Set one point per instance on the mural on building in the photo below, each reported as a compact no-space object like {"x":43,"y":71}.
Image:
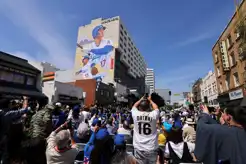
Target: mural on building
{"x":96,"y":57}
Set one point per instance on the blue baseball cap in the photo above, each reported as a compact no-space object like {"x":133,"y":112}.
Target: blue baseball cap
{"x":101,"y":134}
{"x":167,"y":126}
{"x":76,"y":108}
{"x":95,"y":122}
{"x":86,"y":57}
{"x":96,"y":29}
{"x":119,"y":139}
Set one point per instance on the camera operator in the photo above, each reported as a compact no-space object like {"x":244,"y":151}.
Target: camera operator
{"x":145,"y":136}
{"x":59,"y":148}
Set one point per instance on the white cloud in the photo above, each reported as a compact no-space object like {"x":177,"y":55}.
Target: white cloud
{"x":28,"y":14}
{"x":195,"y":39}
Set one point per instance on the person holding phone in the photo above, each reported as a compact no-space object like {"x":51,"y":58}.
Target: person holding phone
{"x":145,"y":136}
{"x":217,"y":143}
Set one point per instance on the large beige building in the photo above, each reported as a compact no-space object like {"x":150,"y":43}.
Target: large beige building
{"x":108,"y":41}
{"x":150,"y":79}
{"x":229,"y":61}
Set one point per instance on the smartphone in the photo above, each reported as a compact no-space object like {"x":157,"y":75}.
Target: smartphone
{"x":146,"y":95}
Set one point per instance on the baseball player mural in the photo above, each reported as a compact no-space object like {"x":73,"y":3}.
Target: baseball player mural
{"x":99,"y":56}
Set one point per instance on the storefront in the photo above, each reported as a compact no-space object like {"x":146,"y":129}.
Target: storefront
{"x":18,"y":78}
{"x":63,"y":92}
{"x":233,"y":98}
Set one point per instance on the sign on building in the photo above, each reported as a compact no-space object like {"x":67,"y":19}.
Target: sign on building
{"x":237,"y":94}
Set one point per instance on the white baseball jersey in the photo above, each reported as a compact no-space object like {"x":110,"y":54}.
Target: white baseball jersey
{"x":145,"y":136}
{"x":86,"y":71}
{"x":104,"y":60}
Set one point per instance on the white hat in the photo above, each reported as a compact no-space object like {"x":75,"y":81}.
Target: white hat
{"x":190,"y":121}
{"x":58,"y":104}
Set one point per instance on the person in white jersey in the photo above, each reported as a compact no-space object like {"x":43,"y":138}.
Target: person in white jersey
{"x":145,"y":136}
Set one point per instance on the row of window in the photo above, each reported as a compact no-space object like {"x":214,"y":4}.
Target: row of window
{"x":210,"y":91}
{"x":13,"y":77}
{"x":130,"y":52}
{"x":228,"y":82}
{"x":104,"y":93}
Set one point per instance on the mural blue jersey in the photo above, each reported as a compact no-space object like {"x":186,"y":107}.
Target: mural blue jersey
{"x":58,"y":120}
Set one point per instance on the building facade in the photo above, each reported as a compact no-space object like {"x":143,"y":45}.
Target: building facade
{"x":104,"y":95}
{"x":57,"y":91}
{"x":106,"y":52}
{"x":196,"y":92}
{"x":165,"y":94}
{"x":229,"y":61}
{"x":209,"y":91}
{"x":150,"y":79}
{"x":18,"y":78}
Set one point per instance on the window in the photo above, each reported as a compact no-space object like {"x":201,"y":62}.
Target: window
{"x":232,"y":59}
{"x":218,"y":71}
{"x":121,"y":33}
{"x":18,"y":78}
{"x":209,"y":92}
{"x":221,"y":88}
{"x":229,"y":41}
{"x":30,"y":81}
{"x":227,"y":82}
{"x":215,"y":101}
{"x":236,"y":79}
{"x":101,"y":92}
{"x":237,"y":34}
{"x":121,"y":46}
{"x":107,"y":93}
{"x":121,"y":39}
{"x":216,"y":57}
{"x":7,"y":76}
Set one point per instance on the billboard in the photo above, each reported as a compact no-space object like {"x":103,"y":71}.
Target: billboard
{"x":95,"y":53}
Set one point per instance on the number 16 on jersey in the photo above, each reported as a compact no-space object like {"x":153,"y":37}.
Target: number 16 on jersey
{"x":144,"y":128}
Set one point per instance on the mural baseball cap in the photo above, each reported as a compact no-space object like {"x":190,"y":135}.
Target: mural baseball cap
{"x":86,"y":57}
{"x":96,"y":29}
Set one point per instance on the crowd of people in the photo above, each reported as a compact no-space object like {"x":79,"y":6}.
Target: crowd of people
{"x":40,"y":133}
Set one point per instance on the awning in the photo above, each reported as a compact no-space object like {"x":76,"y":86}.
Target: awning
{"x":9,"y":91}
{"x":234,"y":103}
{"x":223,"y":98}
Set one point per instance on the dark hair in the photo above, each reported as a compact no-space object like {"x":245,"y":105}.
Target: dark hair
{"x":176,"y":116}
{"x":119,"y":154}
{"x":144,"y":105}
{"x":211,"y":109}
{"x":103,"y":150}
{"x":175,"y":135}
{"x":238,"y":114}
{"x":191,"y":107}
{"x":126,"y":125}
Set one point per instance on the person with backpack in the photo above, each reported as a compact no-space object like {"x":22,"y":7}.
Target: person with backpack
{"x":176,"y":150}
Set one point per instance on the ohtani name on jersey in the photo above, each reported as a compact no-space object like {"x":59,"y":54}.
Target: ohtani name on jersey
{"x":144,"y":118}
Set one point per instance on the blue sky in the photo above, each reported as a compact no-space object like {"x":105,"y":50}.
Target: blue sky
{"x":174,"y":36}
